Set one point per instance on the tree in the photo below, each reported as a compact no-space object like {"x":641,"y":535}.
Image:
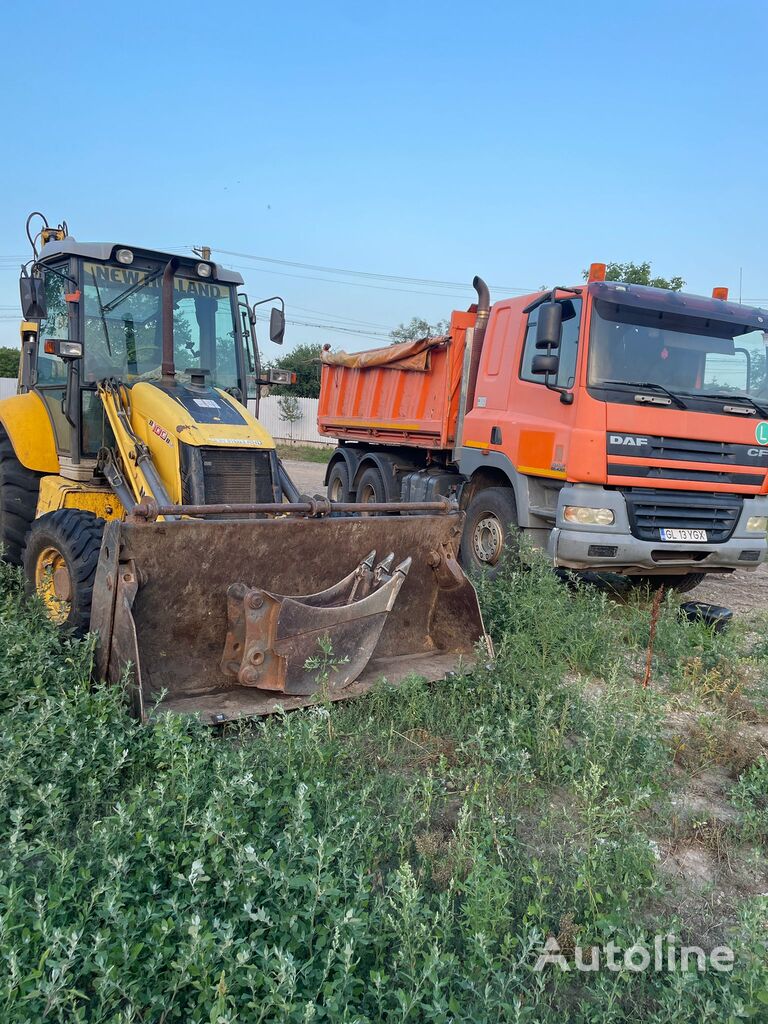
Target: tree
{"x":9,"y":362}
{"x":418,"y":329}
{"x":304,"y":360}
{"x":638,"y":273}
{"x":290,"y":411}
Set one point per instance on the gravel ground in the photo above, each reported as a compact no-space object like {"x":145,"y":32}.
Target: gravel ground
{"x":308,"y":476}
{"x":743,"y":591}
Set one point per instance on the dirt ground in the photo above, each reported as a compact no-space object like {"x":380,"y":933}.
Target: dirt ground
{"x":743,"y":591}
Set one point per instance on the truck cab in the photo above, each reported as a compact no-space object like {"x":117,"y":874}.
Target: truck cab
{"x":623,"y":428}
{"x":630,"y":427}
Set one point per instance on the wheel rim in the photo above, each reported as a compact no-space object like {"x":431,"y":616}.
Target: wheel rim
{"x":335,"y":490}
{"x":54,"y":584}
{"x":488,"y":540}
{"x":366,"y":495}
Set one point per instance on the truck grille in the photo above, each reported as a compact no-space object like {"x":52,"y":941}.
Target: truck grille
{"x":683,"y":449}
{"x":650,"y":511}
{"x":236,"y":476}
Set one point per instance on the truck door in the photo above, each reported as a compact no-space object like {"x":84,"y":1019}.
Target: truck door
{"x":543,"y":420}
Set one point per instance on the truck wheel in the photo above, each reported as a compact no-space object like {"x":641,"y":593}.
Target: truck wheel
{"x":370,"y":488}
{"x":338,"y":482}
{"x":489,"y":530}
{"x":19,"y":489}
{"x":60,"y":565}
{"x":682,"y":583}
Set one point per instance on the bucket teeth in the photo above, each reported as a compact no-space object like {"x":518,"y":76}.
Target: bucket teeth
{"x":382,"y":572}
{"x":404,"y":566}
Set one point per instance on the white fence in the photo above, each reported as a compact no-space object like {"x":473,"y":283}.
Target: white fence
{"x":303,"y":430}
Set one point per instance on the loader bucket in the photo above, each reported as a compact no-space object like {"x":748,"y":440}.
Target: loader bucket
{"x":225,"y":618}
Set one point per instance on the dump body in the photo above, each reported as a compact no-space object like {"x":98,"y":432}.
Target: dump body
{"x":390,"y":404}
{"x":671,"y":484}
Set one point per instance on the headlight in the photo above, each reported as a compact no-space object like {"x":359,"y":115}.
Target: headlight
{"x":124,"y":256}
{"x":204,"y":269}
{"x":588,"y":516}
{"x":758,"y":524}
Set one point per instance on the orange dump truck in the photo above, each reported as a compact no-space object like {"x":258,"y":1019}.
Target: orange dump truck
{"x":622,"y":427}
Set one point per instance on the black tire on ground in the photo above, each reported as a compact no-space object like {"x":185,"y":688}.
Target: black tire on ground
{"x":19,"y":489}
{"x":682,"y":584}
{"x":370,"y":488}
{"x":338,"y":482}
{"x":489,"y":530}
{"x":60,"y":564}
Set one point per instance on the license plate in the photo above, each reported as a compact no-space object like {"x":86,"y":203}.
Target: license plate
{"x":696,"y":536}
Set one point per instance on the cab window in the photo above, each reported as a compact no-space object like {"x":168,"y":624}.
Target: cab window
{"x":50,"y":369}
{"x":569,"y":346}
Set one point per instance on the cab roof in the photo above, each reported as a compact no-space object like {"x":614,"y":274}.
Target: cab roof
{"x":103,"y":251}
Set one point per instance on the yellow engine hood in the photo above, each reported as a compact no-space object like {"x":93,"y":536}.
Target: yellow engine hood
{"x":195,"y":416}
{"x":165,"y":416}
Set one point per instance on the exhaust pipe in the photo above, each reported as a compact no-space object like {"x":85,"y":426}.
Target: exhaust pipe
{"x":483,"y":312}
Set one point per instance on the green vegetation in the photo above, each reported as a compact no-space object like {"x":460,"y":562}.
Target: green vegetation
{"x":639,"y":273}
{"x":304,"y":361}
{"x":398,"y":859}
{"x":417,"y":329}
{"x":9,"y":361}
{"x":305,"y":452}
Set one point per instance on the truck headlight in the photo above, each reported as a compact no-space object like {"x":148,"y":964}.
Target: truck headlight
{"x":204,"y":269}
{"x":757,"y":524}
{"x":588,"y":516}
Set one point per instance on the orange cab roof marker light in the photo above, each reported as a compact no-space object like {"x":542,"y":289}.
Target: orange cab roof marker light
{"x":720,"y":293}
{"x":596,"y":272}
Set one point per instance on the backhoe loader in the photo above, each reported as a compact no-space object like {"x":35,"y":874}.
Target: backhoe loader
{"x":148,"y":506}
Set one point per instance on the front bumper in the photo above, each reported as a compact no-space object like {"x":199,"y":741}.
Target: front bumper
{"x":614,"y":548}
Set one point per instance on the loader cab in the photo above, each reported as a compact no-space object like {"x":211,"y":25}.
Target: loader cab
{"x":103,"y":318}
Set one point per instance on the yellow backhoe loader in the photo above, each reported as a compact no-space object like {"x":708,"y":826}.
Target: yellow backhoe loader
{"x":147,"y":504}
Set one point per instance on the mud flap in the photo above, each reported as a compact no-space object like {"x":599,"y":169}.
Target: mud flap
{"x":198,"y":609}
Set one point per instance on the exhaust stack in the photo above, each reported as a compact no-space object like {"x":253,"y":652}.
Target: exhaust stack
{"x":483,"y":312}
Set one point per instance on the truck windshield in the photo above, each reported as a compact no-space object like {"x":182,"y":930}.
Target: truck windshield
{"x":123,"y":326}
{"x":690,"y":356}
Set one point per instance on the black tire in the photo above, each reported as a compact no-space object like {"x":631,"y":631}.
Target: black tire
{"x":338,"y":482}
{"x":682,"y":584}
{"x":489,"y":530}
{"x":370,"y":488}
{"x":75,"y":538}
{"x":19,"y":490}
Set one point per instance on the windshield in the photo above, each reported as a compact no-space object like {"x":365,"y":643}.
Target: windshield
{"x":693,"y":356}
{"x":123,"y":326}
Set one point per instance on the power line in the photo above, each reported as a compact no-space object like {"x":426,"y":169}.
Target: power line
{"x":431,"y":282}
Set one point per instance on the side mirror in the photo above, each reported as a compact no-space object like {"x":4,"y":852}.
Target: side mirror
{"x":550,"y":325}
{"x":545,"y":364}
{"x":33,"y":303}
{"x":276,"y":325}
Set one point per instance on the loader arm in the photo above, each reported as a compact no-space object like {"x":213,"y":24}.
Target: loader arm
{"x":138,"y":470}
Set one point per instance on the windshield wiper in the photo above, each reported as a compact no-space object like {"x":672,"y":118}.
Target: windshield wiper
{"x":747,"y":399}
{"x":133,"y":288}
{"x":103,"y":314}
{"x":650,"y":384}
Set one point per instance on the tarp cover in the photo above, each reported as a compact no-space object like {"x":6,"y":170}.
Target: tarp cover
{"x":408,"y":355}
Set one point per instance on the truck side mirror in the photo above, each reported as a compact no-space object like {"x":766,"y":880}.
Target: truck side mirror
{"x":276,"y":325}
{"x":545,"y":364}
{"x":33,"y":303}
{"x":550,"y":325}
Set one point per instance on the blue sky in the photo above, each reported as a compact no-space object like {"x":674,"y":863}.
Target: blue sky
{"x":421,"y":140}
